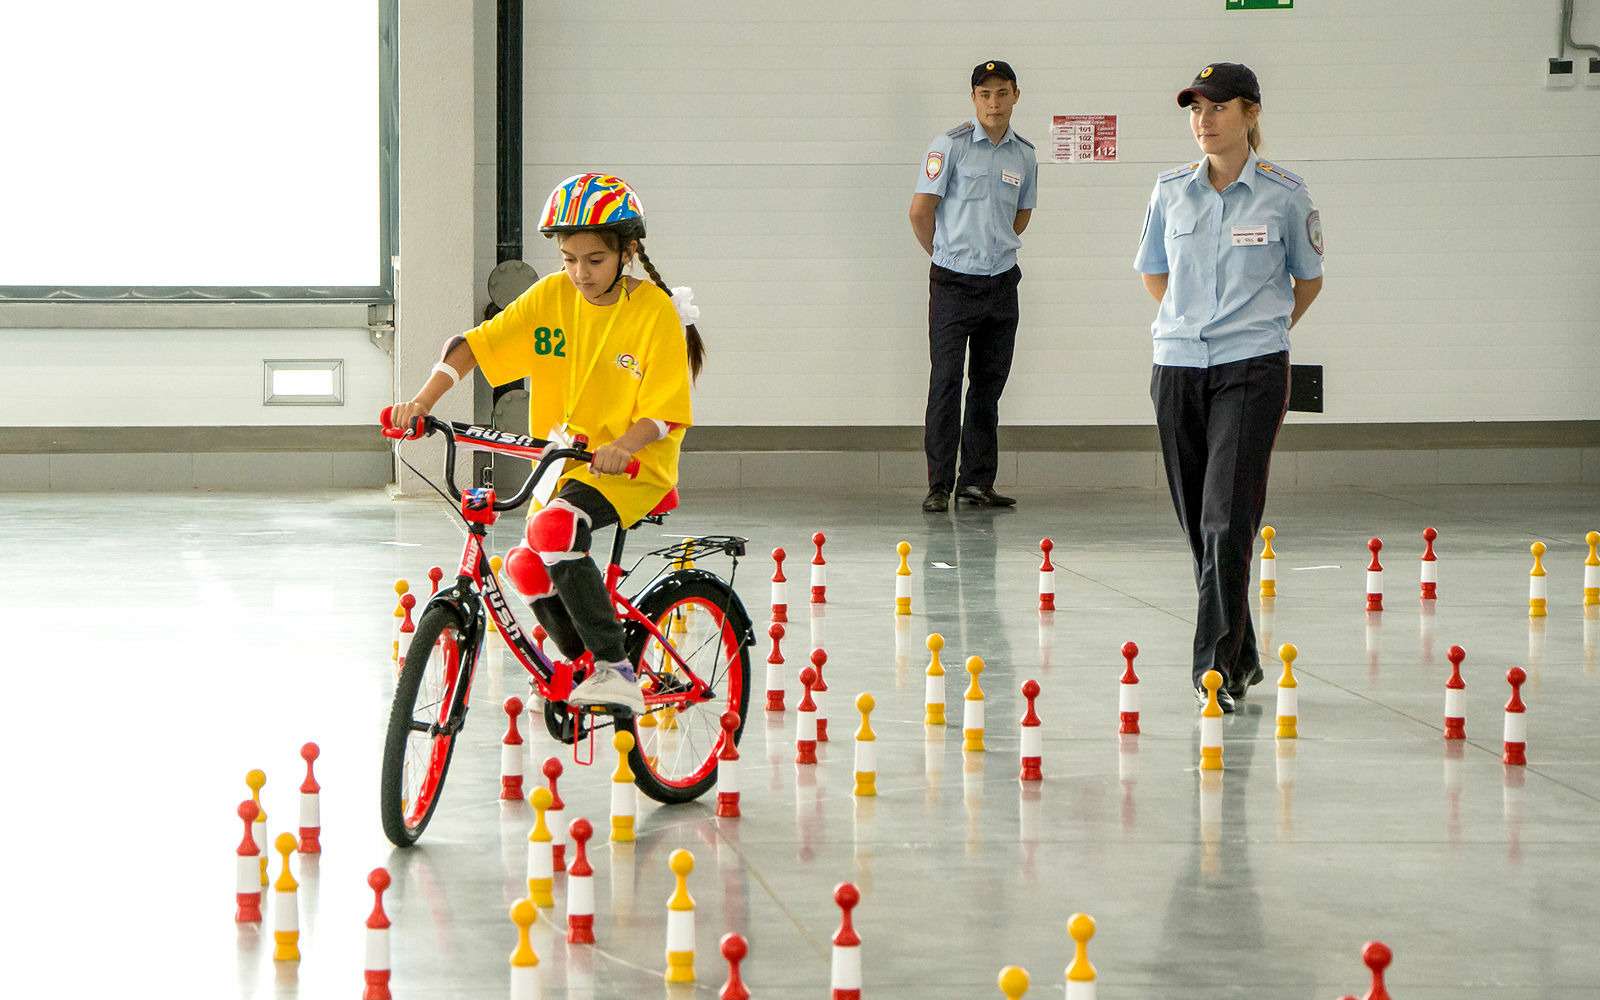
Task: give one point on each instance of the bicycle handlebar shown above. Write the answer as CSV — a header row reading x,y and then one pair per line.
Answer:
x,y
489,438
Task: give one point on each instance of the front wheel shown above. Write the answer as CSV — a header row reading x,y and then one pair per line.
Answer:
x,y
422,734
674,758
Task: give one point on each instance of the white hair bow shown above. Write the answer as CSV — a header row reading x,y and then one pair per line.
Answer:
x,y
683,301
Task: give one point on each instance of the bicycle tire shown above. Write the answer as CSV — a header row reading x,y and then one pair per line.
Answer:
x,y
703,589
403,821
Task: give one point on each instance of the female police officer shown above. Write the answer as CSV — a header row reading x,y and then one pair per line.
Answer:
x,y
1232,249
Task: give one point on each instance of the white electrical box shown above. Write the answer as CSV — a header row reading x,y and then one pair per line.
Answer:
x,y
1561,74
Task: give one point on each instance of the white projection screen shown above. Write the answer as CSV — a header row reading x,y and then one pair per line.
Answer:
x,y
210,149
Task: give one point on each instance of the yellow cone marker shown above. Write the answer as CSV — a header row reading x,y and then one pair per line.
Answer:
x,y
934,716
541,859
1537,584
972,709
1211,724
1269,562
866,748
624,798
902,581
1288,694
524,962
1013,982
256,780
1591,569
680,921
285,906
1080,974
401,587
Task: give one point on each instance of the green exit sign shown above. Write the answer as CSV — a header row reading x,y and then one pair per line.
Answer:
x,y
1260,4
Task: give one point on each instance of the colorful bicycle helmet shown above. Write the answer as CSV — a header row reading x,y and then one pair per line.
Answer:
x,y
589,202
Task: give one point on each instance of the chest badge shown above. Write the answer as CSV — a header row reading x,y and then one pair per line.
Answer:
x,y
630,364
934,167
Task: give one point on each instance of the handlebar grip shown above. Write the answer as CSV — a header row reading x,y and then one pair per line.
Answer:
x,y
632,470
411,433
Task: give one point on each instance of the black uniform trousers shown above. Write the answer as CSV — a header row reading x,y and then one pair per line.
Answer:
x,y
580,616
972,324
1217,429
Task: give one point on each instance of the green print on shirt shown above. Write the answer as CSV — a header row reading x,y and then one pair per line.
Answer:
x,y
547,341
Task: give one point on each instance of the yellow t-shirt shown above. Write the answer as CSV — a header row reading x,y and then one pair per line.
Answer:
x,y
621,363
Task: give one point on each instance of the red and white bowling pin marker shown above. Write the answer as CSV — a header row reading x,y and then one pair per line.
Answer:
x,y
1128,692
377,970
539,636
1376,956
846,974
1047,577
1516,731
819,659
819,571
1374,576
580,886
1430,566
408,628
1538,583
734,949
728,767
285,906
680,920
1032,736
1591,570
902,579
1269,562
511,754
556,815
775,668
435,574
310,804
780,587
805,732
247,887
1455,697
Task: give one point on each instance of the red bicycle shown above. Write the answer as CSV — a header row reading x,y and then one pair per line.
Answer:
x,y
688,637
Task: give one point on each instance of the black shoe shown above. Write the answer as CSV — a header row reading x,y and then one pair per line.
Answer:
x,y
936,502
1224,699
1238,691
984,496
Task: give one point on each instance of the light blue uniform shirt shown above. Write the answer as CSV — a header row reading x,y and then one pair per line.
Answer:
x,y
981,187
1229,256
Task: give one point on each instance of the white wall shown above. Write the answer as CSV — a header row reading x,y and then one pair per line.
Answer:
x,y
776,145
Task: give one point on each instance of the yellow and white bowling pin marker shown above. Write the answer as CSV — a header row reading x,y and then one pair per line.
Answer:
x,y
1211,724
256,779
866,747
972,709
524,962
541,863
1013,982
1538,585
680,920
934,714
1591,570
1080,974
1269,562
624,797
902,580
285,905
401,588
1288,694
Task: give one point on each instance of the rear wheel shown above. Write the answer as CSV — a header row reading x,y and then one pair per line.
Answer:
x,y
674,758
421,737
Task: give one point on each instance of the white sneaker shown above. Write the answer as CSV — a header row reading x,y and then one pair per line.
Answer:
x,y
609,687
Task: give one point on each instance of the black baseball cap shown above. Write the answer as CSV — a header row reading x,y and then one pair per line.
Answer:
x,y
993,67
1221,82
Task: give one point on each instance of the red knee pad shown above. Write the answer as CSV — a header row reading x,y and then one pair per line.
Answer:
x,y
554,530
526,572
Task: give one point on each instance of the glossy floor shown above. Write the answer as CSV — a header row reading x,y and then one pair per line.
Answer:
x,y
163,645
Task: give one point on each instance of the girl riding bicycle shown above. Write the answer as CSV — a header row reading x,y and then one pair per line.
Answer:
x,y
608,356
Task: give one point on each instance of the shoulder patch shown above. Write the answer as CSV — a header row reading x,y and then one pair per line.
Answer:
x,y
1277,173
1020,138
1177,172
960,130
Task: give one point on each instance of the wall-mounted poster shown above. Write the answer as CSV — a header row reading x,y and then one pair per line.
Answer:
x,y
1083,138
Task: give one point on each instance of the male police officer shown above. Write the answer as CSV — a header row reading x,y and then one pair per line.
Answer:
x,y
973,201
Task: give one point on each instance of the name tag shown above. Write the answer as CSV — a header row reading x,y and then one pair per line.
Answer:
x,y
1015,180
1249,236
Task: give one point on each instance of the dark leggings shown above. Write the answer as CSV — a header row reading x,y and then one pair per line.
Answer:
x,y
580,615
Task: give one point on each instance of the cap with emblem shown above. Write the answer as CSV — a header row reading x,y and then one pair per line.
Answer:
x,y
994,67
1221,82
